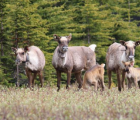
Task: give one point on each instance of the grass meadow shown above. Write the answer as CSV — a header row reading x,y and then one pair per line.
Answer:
x,y
48,104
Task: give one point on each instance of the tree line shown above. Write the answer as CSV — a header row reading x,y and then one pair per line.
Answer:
x,y
33,22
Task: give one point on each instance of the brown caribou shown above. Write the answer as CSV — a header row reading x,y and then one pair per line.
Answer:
x,y
72,59
115,55
94,76
34,60
132,74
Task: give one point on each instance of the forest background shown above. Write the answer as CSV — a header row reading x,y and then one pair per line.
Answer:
x,y
33,22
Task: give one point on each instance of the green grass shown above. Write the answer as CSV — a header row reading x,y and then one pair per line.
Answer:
x,y
48,104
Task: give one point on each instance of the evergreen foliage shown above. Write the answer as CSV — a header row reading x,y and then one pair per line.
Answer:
x,y
33,22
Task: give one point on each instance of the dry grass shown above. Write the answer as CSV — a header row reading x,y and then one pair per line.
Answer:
x,y
48,104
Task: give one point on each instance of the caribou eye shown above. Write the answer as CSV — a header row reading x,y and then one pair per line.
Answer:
x,y
134,47
22,53
59,41
129,65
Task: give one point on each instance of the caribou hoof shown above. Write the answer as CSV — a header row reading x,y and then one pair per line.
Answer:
x,y
58,89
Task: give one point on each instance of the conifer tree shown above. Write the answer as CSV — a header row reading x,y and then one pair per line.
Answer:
x,y
33,22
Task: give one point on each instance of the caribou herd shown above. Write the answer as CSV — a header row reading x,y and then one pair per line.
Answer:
x,y
75,59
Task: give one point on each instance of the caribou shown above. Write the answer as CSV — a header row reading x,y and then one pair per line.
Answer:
x,y
118,52
34,61
94,76
72,59
132,74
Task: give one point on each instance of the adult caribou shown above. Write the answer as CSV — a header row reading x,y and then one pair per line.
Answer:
x,y
72,59
34,60
115,55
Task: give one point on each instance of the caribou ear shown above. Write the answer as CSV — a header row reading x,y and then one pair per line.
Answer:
x,y
132,63
122,42
57,38
26,48
69,37
13,49
123,62
137,43
103,65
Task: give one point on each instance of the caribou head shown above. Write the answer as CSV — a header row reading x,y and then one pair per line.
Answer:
x,y
130,48
21,56
63,44
127,65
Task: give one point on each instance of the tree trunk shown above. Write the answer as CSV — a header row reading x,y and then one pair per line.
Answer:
x,y
88,30
28,39
128,10
2,53
88,36
17,83
16,39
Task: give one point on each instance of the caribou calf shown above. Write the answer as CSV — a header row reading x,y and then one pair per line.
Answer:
x,y
72,59
132,74
94,76
34,60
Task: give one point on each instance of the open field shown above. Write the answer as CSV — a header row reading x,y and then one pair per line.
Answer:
x,y
48,104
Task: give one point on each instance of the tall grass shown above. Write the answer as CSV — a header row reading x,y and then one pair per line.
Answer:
x,y
48,104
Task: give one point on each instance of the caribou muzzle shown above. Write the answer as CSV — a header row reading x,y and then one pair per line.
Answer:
x,y
127,70
65,48
18,62
131,55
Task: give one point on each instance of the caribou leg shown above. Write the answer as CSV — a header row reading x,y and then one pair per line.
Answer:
x,y
139,84
41,78
33,79
129,83
109,76
118,79
68,79
95,85
102,83
27,73
58,79
123,80
136,83
30,78
78,78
